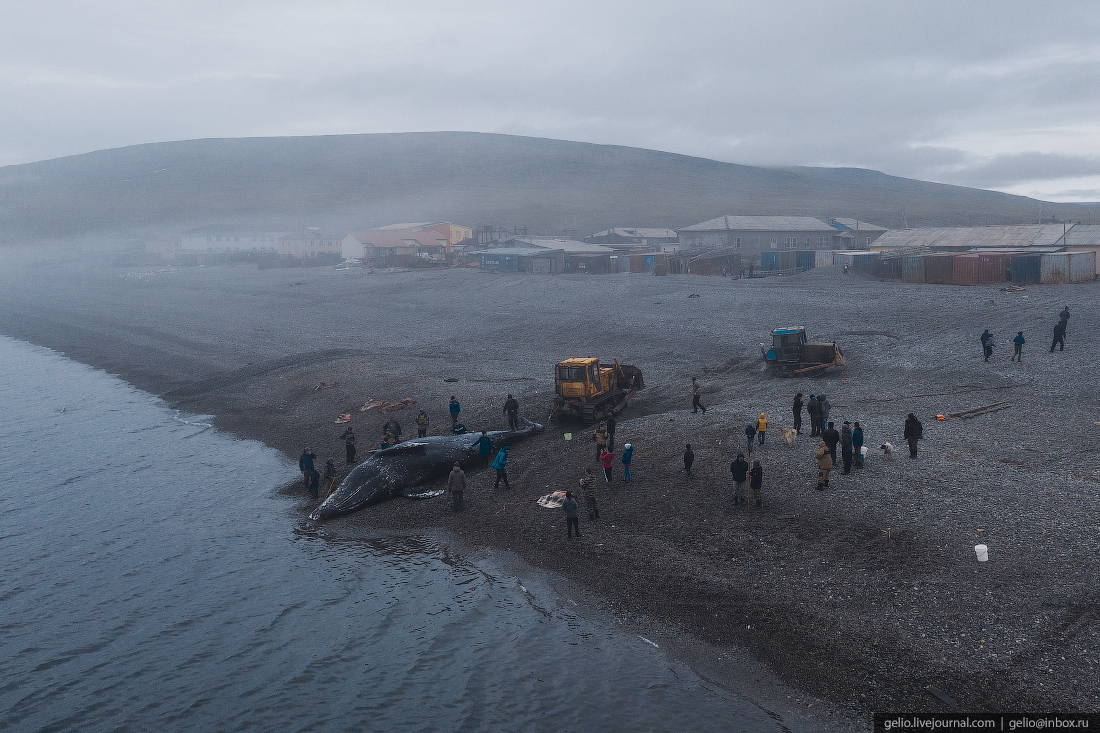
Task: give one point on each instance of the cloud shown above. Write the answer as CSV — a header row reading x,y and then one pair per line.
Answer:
x,y
983,93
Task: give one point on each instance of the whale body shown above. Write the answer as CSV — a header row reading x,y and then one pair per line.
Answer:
x,y
393,472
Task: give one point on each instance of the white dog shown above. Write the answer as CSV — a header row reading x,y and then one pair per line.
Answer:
x,y
887,450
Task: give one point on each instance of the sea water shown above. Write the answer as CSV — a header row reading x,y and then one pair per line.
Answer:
x,y
154,580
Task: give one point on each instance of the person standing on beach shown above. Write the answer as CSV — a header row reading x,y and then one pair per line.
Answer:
x,y
762,428
831,437
305,464
1063,318
484,449
824,465
571,520
610,423
600,436
689,458
628,456
349,445
857,443
454,409
330,475
847,444
814,410
914,431
588,487
987,344
607,460
421,424
696,390
511,409
1059,337
739,469
1018,347
314,482
826,408
500,463
756,483
750,433
456,484
796,408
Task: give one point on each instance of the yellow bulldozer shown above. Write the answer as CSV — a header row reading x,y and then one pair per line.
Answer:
x,y
586,389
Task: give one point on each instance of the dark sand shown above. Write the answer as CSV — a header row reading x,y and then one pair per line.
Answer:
x,y
864,595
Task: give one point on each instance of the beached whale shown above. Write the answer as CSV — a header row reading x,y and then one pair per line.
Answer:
x,y
397,471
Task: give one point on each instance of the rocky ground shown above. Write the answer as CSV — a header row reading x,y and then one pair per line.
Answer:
x,y
867,595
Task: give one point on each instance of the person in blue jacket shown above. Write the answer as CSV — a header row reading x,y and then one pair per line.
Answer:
x,y
500,463
484,449
305,464
857,441
1018,347
455,408
628,456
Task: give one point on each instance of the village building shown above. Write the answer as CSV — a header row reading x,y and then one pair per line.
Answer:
x,y
310,242
547,255
961,239
402,243
219,238
648,238
752,235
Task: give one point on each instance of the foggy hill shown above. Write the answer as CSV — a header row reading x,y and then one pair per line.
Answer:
x,y
355,181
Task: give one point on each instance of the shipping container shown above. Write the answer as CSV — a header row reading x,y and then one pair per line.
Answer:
x,y
842,259
804,259
993,266
939,269
1094,250
769,261
888,268
823,258
1067,267
1025,269
788,260
636,263
912,269
864,262
964,270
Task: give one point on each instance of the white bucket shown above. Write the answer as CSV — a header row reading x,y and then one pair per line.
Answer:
x,y
982,552
863,451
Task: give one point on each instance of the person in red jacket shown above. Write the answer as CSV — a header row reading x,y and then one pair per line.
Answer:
x,y
607,460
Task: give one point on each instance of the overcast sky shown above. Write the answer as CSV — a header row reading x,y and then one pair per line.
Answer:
x,y
1002,95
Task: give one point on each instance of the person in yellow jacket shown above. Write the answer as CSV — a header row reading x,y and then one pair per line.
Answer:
x,y
761,428
824,465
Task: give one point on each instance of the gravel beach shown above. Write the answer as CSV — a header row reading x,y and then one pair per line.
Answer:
x,y
867,595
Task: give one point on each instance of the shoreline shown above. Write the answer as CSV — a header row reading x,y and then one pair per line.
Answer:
x,y
849,629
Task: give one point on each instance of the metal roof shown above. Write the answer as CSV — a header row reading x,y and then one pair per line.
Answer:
x,y
1087,235
1027,236
569,246
780,224
644,232
517,251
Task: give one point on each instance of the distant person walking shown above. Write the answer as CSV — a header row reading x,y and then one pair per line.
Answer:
x,y
456,484
600,436
796,408
1063,318
572,521
847,446
1018,347
831,437
348,437
813,407
588,487
627,458
824,465
750,434
511,409
761,428
739,470
756,483
607,460
305,464
696,390
500,463
1059,337
484,446
689,458
454,409
421,424
987,344
857,443
610,423
914,431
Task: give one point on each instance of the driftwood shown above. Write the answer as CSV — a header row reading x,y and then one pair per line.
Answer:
x,y
978,411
